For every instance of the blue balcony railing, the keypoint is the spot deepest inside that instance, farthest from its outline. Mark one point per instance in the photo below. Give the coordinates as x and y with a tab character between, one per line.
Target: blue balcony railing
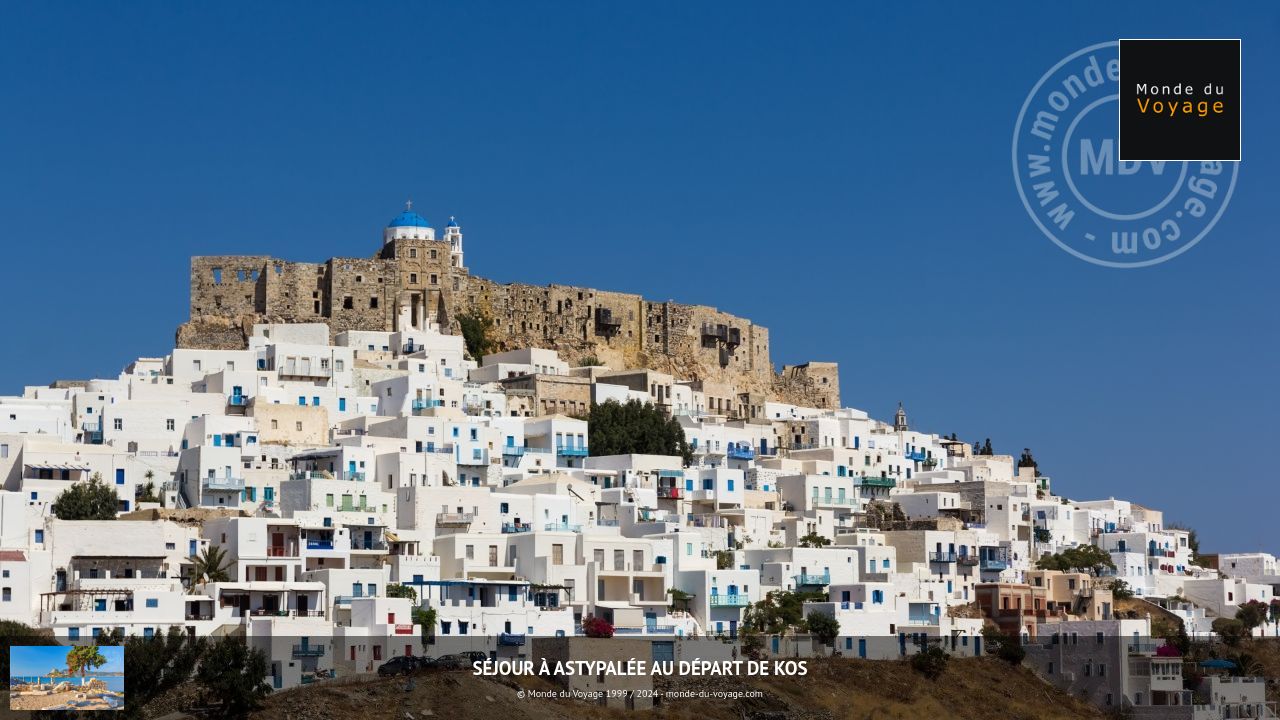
917	456
319	545
879	482
425	403
308	651
741	453
342	599
942	557
511	639
807	579
994	565
92	432
237	401
735	600
567	451
223	484
516	528
513	451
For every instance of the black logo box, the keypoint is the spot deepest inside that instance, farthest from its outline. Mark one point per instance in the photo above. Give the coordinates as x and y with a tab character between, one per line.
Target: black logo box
1188	64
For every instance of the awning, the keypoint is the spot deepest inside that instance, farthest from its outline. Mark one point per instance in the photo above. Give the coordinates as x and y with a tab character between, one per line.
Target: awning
315	454
57	466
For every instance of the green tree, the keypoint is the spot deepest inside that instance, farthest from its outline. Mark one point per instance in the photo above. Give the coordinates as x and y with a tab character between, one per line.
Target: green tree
1120	590
425	617
1231	631
635	428
234	675
158	664
814	540
82	659
475	333
779	611
824	626
395	590
1028	460
1084	558
92	500
208	567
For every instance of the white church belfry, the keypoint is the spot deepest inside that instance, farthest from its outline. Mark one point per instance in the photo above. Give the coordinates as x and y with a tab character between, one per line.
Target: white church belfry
453	234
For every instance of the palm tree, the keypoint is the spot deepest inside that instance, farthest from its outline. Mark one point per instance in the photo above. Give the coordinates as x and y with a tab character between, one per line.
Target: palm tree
83	658
209	566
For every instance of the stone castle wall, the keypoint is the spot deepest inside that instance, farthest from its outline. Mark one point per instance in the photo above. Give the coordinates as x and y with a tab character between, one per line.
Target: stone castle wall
622	330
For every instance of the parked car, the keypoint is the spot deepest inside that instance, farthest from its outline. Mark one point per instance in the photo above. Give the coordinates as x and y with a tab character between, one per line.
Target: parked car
450	662
471	656
401	665
425	662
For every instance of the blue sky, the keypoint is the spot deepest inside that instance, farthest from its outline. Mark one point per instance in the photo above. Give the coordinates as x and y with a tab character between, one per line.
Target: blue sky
839	174
39	659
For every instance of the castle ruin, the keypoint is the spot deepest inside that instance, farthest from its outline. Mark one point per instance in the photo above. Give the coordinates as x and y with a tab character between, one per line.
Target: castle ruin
414	269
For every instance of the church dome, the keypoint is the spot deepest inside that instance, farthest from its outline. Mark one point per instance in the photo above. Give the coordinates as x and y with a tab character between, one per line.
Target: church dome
408	218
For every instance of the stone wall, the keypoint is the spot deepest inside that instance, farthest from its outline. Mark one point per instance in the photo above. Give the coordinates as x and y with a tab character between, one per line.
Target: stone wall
622	330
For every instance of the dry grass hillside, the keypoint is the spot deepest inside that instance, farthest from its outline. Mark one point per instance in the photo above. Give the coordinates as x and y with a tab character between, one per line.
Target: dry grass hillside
969	689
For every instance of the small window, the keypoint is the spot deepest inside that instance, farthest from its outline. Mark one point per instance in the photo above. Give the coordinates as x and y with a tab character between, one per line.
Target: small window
348	303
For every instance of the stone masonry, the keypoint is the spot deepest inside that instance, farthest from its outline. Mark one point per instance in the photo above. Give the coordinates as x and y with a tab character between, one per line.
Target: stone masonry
692	342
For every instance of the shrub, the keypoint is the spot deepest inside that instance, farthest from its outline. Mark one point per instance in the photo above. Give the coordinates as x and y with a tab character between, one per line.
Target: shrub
1230	630
233	673
1252	614
930	662
595	627
1006	647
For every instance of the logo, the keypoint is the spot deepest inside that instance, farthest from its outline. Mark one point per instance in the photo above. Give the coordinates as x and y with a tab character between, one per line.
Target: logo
1109	212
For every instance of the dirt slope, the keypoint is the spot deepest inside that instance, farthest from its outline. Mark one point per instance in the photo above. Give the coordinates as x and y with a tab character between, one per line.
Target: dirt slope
970	689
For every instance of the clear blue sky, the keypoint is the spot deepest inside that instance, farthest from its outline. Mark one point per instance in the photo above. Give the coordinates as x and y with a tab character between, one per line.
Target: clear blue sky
28	660
859	156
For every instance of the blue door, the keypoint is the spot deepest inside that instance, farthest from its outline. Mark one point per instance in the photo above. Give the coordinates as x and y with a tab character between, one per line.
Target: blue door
862	647
977	644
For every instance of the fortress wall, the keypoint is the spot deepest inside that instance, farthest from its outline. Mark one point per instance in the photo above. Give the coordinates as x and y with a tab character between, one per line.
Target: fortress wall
621	330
